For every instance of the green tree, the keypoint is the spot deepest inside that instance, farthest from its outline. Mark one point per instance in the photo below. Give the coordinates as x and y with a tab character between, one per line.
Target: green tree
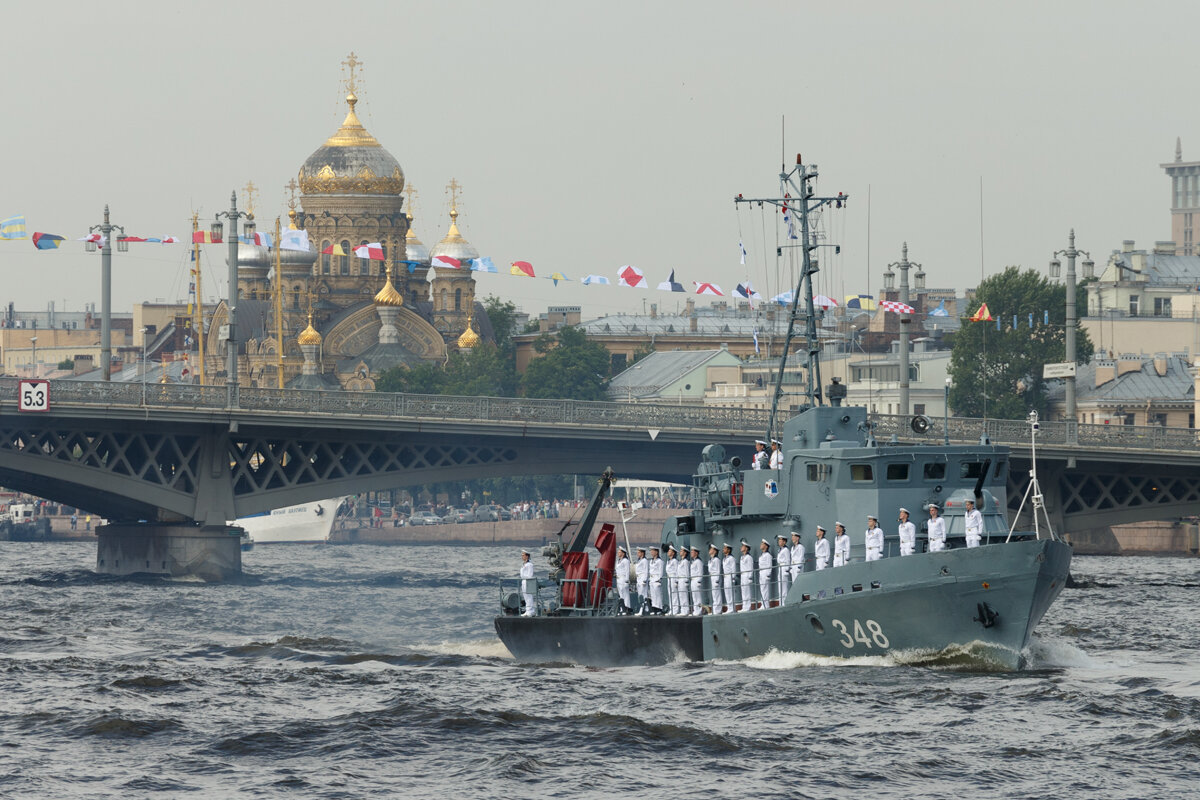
421	379
503	316
485	371
571	367
999	373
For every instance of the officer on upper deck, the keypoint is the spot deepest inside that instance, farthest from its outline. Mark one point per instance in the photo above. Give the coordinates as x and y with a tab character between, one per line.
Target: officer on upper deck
760	459
936	529
974	524
776	454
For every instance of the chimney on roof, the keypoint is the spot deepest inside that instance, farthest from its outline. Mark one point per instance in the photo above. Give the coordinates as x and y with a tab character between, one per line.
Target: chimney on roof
1160	364
692	326
1127	246
690	307
1105	372
654	311
1129	362
1164	248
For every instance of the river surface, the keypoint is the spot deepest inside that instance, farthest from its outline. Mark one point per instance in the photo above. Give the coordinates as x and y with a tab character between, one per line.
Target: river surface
365	671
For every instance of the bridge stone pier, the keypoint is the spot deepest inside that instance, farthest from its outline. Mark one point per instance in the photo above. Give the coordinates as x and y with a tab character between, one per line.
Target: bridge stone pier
170	466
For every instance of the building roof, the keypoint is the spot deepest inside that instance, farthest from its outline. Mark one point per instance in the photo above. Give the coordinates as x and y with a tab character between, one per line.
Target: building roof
658	370
1159	269
1137	385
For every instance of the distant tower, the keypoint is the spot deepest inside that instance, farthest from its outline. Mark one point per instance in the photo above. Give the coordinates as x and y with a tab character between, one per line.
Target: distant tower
453	290
1185	201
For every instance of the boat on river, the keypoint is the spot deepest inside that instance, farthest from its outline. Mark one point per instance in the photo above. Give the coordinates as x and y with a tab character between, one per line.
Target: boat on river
303	522
987	598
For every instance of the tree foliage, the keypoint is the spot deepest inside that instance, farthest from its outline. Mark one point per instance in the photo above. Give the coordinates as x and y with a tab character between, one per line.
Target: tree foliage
999	373
571	367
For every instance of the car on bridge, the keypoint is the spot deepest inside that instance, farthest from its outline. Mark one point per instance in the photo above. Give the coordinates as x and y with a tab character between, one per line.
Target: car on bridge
424	518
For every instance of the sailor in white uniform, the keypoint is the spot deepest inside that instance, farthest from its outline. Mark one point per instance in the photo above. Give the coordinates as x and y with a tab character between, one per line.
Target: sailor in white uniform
656	582
776	454
746	571
908	534
974	522
683	576
760	459
841	546
672	569
821	550
621	575
527	584
765	561
936	529
797	556
783	559
728	567
714	578
873	540
697	583
642	568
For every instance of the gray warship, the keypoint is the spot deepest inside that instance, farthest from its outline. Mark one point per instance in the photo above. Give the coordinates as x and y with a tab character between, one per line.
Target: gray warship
984	600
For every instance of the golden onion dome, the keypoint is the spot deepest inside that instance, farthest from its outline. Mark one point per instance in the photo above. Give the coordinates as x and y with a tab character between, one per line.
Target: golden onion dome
309	335
469	337
454	245
388	296
351	162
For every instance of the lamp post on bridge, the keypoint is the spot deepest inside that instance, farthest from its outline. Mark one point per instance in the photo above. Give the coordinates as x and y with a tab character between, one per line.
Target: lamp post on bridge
105	229
144	366
34	369
231	216
1089	267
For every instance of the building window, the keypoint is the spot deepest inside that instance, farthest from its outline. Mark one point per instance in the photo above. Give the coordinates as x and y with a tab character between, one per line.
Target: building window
1162	306
1134	302
325	257
618	362
364	264
295	297
918	408
458	299
344	261
1158	419
443	303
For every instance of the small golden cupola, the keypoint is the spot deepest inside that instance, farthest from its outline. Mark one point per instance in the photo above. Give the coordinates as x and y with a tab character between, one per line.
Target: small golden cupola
309	336
388	296
469	338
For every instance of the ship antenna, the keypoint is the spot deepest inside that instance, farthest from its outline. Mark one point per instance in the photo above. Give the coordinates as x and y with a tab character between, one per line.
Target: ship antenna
1034	490
797	210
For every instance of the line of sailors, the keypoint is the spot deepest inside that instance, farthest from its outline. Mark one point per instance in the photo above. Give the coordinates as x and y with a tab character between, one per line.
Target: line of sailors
681	580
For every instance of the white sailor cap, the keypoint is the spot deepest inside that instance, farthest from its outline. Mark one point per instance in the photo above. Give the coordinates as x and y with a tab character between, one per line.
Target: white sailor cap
776	441
654	547
621	549
797	533
712	546
696	548
872	516
745	543
641	548
969	500
764	541
904	510
760	441
727	546
782	536
935	505
671	548
839	524
821	528
525	552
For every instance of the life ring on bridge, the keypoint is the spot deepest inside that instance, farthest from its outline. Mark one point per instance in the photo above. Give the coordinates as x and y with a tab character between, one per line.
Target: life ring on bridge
735	495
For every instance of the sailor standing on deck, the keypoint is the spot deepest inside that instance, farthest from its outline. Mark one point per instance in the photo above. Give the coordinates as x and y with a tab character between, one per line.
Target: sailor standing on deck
682	578
907	533
622	579
841	546
728	567
714	577
974	522
797	556
776	454
783	558
697	583
874	539
527	584
760	459
765	560
821	550
642	568
936	529
672	569
656	582
746	570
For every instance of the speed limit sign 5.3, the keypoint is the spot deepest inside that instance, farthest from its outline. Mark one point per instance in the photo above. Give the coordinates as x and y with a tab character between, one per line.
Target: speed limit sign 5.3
33	396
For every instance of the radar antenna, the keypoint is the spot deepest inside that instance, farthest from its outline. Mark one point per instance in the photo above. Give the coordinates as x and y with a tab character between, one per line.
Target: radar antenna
1033	493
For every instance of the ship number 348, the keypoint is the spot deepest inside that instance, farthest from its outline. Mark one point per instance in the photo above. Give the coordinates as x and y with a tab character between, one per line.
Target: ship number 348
848	640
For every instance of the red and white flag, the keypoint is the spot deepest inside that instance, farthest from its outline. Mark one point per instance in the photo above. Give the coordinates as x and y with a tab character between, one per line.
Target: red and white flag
897	307
632	277
708	288
373	251
445	261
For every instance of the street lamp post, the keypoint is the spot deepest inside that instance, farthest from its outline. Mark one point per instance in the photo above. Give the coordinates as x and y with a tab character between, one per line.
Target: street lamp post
231	216
889	280
33	341
144	365
946	416
1055	268
106	228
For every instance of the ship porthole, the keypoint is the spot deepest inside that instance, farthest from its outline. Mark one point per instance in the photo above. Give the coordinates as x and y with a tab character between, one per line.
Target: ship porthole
816	623
715	639
745	635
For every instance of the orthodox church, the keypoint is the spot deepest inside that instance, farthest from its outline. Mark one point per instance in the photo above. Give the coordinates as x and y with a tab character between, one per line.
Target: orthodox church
348	319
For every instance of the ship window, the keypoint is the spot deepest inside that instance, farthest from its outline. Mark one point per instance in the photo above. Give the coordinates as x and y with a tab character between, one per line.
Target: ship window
817	472
935	471
1001	467
970	469
861	473
897	472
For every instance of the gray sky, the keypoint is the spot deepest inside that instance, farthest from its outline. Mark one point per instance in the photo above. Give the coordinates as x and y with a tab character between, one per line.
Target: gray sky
588	136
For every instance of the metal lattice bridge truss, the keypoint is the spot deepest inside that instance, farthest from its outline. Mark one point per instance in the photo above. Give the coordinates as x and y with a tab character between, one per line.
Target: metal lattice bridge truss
175	452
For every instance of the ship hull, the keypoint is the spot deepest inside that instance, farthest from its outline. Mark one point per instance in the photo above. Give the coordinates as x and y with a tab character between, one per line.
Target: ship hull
305	522
923	603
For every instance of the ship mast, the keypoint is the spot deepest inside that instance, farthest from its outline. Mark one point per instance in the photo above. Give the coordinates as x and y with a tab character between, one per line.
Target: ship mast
799	179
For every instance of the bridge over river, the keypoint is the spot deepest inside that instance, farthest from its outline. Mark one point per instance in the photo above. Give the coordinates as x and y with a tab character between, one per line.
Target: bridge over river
182	458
